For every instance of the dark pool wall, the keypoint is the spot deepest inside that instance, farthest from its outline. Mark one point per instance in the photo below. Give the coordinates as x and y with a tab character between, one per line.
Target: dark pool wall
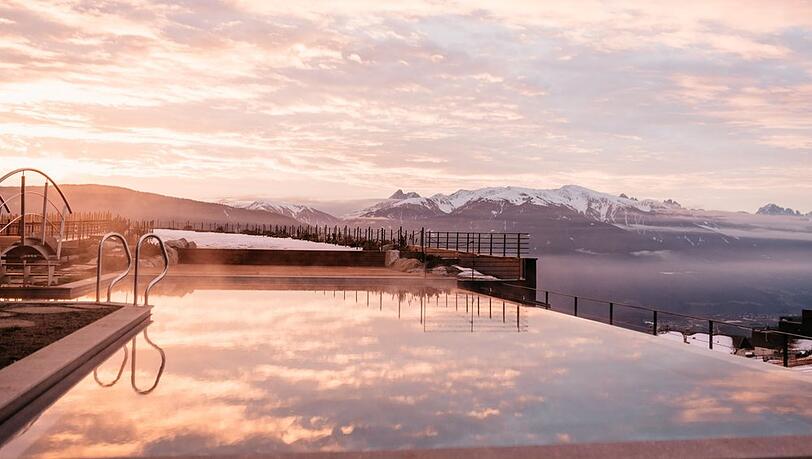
360	258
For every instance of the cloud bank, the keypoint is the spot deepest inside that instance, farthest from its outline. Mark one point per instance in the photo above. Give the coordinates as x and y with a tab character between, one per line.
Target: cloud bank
709	103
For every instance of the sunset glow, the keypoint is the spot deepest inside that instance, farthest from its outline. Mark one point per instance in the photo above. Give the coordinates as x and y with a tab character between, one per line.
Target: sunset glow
708	103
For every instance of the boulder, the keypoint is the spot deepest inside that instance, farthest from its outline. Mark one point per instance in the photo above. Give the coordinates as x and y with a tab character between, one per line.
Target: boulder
407	265
391	257
181	243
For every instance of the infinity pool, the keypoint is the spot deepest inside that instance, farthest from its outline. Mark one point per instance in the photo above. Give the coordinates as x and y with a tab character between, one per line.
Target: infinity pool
255	371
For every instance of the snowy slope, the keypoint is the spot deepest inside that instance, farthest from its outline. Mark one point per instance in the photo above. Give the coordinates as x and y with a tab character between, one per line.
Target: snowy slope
245	241
304	214
592	204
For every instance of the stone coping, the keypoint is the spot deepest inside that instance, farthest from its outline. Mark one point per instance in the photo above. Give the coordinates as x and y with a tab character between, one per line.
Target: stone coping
25	380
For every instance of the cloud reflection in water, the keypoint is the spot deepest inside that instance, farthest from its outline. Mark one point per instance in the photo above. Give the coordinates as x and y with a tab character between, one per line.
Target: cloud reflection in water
257	371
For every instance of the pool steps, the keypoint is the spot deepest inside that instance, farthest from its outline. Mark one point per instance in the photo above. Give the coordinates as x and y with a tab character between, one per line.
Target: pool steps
130	262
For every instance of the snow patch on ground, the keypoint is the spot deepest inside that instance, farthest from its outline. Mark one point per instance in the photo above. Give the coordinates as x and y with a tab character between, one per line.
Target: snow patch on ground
721	343
245	241
468	273
802	345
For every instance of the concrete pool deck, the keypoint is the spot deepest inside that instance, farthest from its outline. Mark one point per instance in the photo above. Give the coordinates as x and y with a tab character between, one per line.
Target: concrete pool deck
25	380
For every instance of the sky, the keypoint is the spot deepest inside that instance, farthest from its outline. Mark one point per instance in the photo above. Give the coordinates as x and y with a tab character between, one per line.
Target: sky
708	103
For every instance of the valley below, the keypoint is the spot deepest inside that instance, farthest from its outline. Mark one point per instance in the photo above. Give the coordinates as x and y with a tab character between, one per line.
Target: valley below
742	285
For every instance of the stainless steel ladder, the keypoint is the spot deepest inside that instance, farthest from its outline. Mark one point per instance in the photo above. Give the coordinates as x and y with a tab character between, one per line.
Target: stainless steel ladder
130	262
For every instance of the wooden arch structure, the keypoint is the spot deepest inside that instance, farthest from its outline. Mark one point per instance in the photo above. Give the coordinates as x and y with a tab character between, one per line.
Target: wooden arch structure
34	243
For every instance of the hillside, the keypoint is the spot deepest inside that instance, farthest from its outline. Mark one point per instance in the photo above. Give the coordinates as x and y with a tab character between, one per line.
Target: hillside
139	205
571	219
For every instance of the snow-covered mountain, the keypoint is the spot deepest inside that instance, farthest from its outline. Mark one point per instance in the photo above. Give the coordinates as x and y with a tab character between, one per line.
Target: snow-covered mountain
564	220
774	209
305	214
399	194
591	204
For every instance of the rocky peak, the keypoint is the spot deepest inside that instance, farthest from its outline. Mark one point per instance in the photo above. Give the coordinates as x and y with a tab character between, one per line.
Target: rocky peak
399	194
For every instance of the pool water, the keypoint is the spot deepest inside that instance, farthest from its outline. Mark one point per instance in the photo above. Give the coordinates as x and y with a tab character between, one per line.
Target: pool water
254	371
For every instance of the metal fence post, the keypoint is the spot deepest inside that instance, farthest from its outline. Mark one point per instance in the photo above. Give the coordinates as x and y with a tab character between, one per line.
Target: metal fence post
575	306
710	334
44	209
611	313
518	245
785	346
654	330
423	248
22	211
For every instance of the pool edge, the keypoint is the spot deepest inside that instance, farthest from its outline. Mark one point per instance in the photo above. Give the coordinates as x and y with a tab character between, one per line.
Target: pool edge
25	380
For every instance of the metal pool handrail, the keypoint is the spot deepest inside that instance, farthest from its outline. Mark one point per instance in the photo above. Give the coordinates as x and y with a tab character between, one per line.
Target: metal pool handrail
158	278
99	265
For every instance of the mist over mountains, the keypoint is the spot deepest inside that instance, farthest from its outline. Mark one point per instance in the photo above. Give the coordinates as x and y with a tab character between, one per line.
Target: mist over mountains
729	264
570	219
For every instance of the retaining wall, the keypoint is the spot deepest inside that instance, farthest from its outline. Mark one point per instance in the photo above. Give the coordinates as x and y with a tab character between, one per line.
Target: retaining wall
282	257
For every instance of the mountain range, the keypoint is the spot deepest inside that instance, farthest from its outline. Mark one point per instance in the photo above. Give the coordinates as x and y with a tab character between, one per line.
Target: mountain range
567	219
774	209
572	219
591	204
304	214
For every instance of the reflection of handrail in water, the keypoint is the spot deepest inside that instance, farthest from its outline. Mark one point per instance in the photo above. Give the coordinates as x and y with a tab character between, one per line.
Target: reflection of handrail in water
132	367
160	370
118	376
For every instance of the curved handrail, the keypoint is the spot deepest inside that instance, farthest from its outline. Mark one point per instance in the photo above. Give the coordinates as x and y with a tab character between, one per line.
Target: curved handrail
159	277
118	376
160	370
99	265
59	190
3	204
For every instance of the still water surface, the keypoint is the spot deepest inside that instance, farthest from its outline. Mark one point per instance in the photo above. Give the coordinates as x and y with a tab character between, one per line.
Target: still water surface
252	371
